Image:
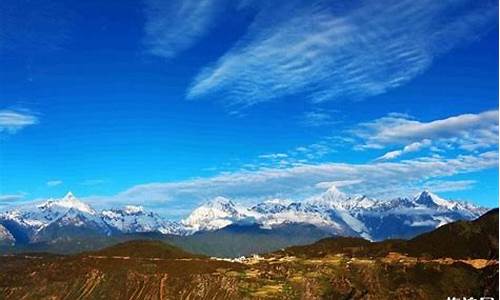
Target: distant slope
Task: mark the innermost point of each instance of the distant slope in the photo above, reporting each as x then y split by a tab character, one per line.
144	249
461	239
244	240
231	241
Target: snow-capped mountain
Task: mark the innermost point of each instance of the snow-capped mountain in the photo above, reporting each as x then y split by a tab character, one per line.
42	221
69	201
216	214
334	212
340	214
66	217
221	212
132	219
397	218
274	213
333	199
27	222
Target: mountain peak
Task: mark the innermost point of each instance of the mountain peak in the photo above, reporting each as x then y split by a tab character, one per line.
214	214
428	198
133	209
70	201
334	191
332	198
69	196
219	200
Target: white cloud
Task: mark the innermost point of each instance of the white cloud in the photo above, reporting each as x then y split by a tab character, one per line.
449	185
340	183
53	183
468	132
326	51
413	147
12	198
374	179
12	121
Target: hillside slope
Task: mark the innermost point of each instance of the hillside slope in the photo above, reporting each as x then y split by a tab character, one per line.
461	239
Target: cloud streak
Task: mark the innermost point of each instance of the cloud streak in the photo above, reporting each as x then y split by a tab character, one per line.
11	198
175	25
374	179
12	121
413	147
468	132
327	52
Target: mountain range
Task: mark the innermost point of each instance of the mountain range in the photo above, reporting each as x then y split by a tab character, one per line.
460	258
332	213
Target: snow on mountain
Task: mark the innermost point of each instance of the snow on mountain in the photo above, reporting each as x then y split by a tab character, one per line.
271	206
73	223
40	221
215	214
34	217
44	220
341	214
333	211
333	198
277	212
132	219
5	236
407	217
428	199
69	201
338	206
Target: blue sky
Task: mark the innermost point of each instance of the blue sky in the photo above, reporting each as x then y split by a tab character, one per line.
169	103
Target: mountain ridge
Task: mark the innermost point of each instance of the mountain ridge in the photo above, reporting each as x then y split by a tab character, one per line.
333	212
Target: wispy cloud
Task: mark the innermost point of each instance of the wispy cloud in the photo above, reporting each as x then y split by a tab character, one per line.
11	198
416	146
53	183
340	183
318	117
326	52
175	25
375	179
399	133
468	132
449	185
12	121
